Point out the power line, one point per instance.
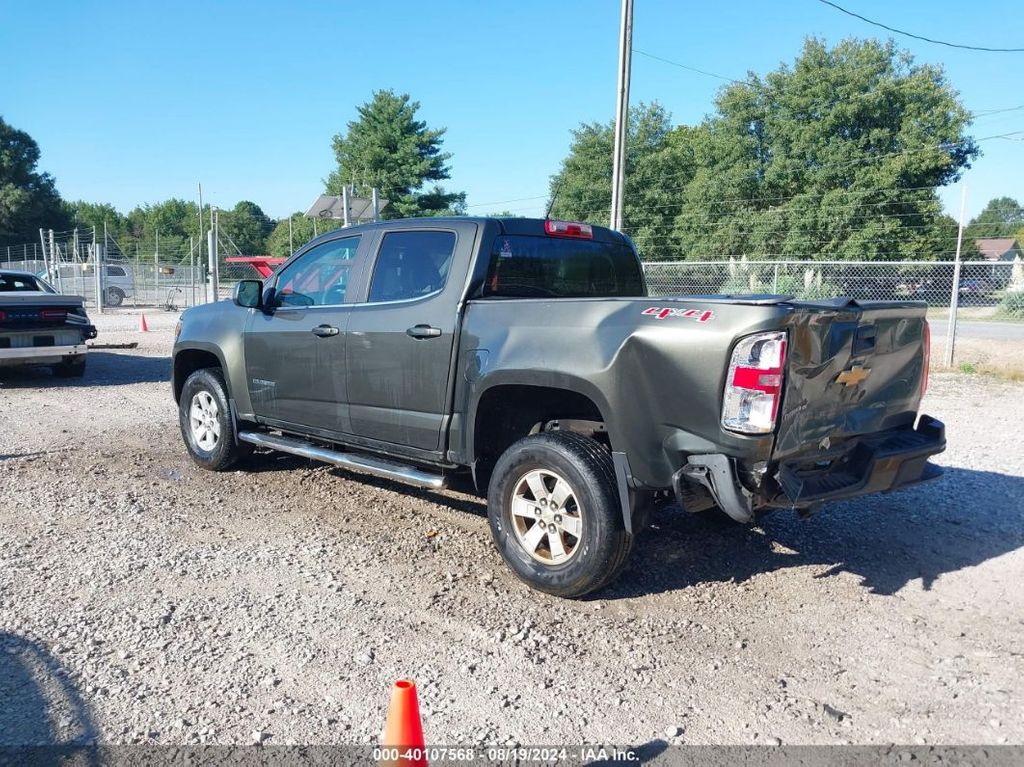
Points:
(974, 113)
(687, 67)
(989, 112)
(920, 37)
(505, 202)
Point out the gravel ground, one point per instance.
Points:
(144, 600)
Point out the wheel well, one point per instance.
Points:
(510, 412)
(187, 362)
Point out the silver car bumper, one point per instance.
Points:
(40, 355)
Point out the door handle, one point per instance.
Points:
(423, 331)
(325, 330)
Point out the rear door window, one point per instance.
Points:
(540, 267)
(411, 265)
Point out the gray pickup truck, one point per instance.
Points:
(527, 356)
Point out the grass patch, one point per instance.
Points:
(1012, 307)
(968, 368)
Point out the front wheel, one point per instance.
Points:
(205, 420)
(555, 515)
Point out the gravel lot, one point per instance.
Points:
(144, 600)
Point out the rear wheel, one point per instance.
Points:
(113, 296)
(205, 420)
(555, 515)
(70, 367)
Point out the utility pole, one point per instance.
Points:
(375, 202)
(954, 297)
(291, 241)
(622, 114)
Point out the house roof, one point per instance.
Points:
(995, 248)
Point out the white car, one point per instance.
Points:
(118, 281)
(39, 326)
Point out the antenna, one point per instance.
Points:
(554, 197)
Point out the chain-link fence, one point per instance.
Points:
(137, 275)
(986, 289)
(153, 275)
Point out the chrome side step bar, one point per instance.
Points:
(356, 462)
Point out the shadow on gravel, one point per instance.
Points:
(964, 519)
(38, 703)
(101, 369)
(261, 462)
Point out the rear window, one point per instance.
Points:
(10, 283)
(539, 267)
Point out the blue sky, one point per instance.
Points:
(135, 102)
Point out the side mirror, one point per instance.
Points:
(248, 294)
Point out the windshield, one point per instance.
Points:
(538, 267)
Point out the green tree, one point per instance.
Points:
(837, 156)
(248, 227)
(388, 148)
(280, 239)
(174, 221)
(1002, 217)
(86, 215)
(28, 198)
(659, 162)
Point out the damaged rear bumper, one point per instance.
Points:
(876, 463)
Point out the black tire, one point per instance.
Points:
(70, 368)
(603, 547)
(113, 296)
(224, 451)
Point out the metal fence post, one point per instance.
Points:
(215, 255)
(211, 248)
(156, 267)
(954, 297)
(98, 269)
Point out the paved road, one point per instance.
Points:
(1001, 331)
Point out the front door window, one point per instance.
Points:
(320, 277)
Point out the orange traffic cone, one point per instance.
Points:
(403, 731)
(143, 326)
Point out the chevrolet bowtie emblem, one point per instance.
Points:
(853, 376)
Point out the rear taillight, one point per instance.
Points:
(3, 316)
(569, 229)
(927, 357)
(54, 314)
(753, 387)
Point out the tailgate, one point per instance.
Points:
(35, 319)
(852, 369)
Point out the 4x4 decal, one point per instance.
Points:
(701, 315)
